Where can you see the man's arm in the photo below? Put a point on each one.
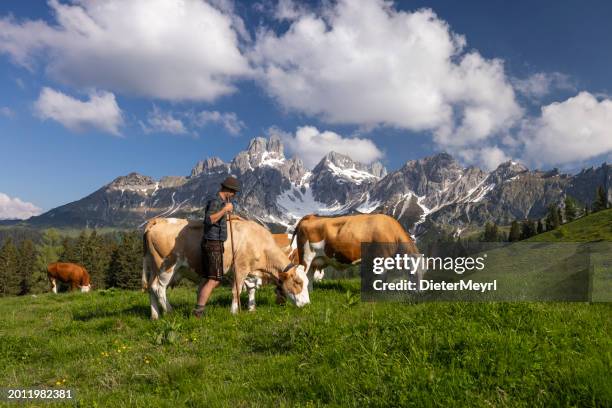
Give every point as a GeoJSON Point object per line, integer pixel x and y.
{"type": "Point", "coordinates": [216, 216]}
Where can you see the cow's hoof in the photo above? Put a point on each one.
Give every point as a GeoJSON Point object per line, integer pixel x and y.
{"type": "Point", "coordinates": [252, 309]}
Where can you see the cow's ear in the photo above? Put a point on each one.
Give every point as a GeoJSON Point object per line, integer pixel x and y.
{"type": "Point", "coordinates": [283, 276]}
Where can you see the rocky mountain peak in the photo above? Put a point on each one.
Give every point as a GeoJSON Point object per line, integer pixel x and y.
{"type": "Point", "coordinates": [378, 169]}
{"type": "Point", "coordinates": [260, 145]}
{"type": "Point", "coordinates": [507, 170]}
{"type": "Point", "coordinates": [341, 161]}
{"type": "Point", "coordinates": [208, 166]}
{"type": "Point", "coordinates": [131, 181]}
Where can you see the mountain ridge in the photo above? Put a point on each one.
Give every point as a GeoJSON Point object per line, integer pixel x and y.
{"type": "Point", "coordinates": [429, 192]}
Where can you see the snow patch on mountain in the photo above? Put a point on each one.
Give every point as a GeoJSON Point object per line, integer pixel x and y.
{"type": "Point", "coordinates": [351, 174]}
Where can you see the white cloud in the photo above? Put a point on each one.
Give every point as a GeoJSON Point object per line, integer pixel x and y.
{"type": "Point", "coordinates": [6, 112]}
{"type": "Point", "coordinates": [13, 208]}
{"type": "Point", "coordinates": [363, 62]}
{"type": "Point", "coordinates": [310, 145]}
{"type": "Point", "coordinates": [288, 10]}
{"type": "Point", "coordinates": [159, 121]}
{"type": "Point", "coordinates": [488, 157]}
{"type": "Point", "coordinates": [229, 120]}
{"type": "Point", "coordinates": [173, 50]}
{"type": "Point", "coordinates": [577, 129]}
{"type": "Point", "coordinates": [99, 112]}
{"type": "Point", "coordinates": [541, 84]}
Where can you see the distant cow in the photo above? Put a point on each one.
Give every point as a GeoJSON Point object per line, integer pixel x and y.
{"type": "Point", "coordinates": [336, 241]}
{"type": "Point", "coordinates": [74, 275]}
{"type": "Point", "coordinates": [172, 250]}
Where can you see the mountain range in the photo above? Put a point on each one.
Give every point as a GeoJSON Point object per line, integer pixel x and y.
{"type": "Point", "coordinates": [432, 193]}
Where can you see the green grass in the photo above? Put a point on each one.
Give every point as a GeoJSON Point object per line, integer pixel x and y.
{"type": "Point", "coordinates": [336, 351]}
{"type": "Point", "coordinates": [593, 227]}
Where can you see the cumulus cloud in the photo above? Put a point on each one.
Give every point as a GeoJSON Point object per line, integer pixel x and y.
{"type": "Point", "coordinates": [365, 63]}
{"type": "Point", "coordinates": [13, 208]}
{"type": "Point", "coordinates": [288, 10]}
{"type": "Point", "coordinates": [229, 120]}
{"type": "Point", "coordinates": [488, 157]}
{"type": "Point", "coordinates": [540, 84]}
{"type": "Point", "coordinates": [311, 145]}
{"type": "Point", "coordinates": [99, 112]}
{"type": "Point", "coordinates": [173, 50]}
{"type": "Point", "coordinates": [6, 112]}
{"type": "Point", "coordinates": [577, 129]}
{"type": "Point", "coordinates": [159, 121]}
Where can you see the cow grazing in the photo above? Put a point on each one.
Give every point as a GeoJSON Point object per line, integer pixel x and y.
{"type": "Point", "coordinates": [74, 275]}
{"type": "Point", "coordinates": [172, 250]}
{"type": "Point", "coordinates": [252, 283]}
{"type": "Point", "coordinates": [336, 241]}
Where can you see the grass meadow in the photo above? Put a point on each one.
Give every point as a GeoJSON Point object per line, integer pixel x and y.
{"type": "Point", "coordinates": [338, 351]}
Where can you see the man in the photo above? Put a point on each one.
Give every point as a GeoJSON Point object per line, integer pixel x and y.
{"type": "Point", "coordinates": [215, 234]}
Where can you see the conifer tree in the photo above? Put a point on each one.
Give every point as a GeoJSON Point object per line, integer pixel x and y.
{"type": "Point", "coordinates": [26, 266]}
{"type": "Point", "coordinates": [9, 276]}
{"type": "Point", "coordinates": [48, 251]}
{"type": "Point", "coordinates": [515, 232]}
{"type": "Point", "coordinates": [552, 219]}
{"type": "Point", "coordinates": [570, 209]}
{"type": "Point", "coordinates": [540, 227]}
{"type": "Point", "coordinates": [601, 200]}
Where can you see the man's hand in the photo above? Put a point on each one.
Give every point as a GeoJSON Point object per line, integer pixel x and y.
{"type": "Point", "coordinates": [229, 207]}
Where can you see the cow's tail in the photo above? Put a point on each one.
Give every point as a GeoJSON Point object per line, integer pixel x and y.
{"type": "Point", "coordinates": [297, 227]}
{"type": "Point", "coordinates": [145, 253]}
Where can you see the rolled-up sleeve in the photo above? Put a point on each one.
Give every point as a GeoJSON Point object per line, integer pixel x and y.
{"type": "Point", "coordinates": [210, 209]}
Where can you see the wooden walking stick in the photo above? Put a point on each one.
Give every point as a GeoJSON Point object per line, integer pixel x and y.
{"type": "Point", "coordinates": [234, 260]}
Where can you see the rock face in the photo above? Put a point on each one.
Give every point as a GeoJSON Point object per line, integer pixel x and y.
{"type": "Point", "coordinates": [428, 193]}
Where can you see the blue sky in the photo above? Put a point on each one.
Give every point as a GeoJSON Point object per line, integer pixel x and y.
{"type": "Point", "coordinates": [89, 93]}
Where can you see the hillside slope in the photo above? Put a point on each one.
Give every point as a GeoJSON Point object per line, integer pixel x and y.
{"type": "Point", "coordinates": [593, 227]}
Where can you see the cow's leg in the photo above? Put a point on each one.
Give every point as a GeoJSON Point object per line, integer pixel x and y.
{"type": "Point", "coordinates": [154, 304]}
{"type": "Point", "coordinates": [251, 283]}
{"type": "Point", "coordinates": [318, 275]}
{"type": "Point", "coordinates": [158, 287]}
{"type": "Point", "coordinates": [53, 284]}
{"type": "Point", "coordinates": [239, 278]}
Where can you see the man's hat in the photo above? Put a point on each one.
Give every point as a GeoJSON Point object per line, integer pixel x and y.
{"type": "Point", "coordinates": [231, 183]}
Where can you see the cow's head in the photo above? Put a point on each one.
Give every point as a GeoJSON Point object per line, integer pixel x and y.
{"type": "Point", "coordinates": [294, 284]}
{"type": "Point", "coordinates": [86, 288]}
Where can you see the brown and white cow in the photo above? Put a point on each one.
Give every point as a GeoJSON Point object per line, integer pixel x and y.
{"type": "Point", "coordinates": [336, 241]}
{"type": "Point", "coordinates": [73, 274]}
{"type": "Point", "coordinates": [252, 283]}
{"type": "Point", "coordinates": [172, 250]}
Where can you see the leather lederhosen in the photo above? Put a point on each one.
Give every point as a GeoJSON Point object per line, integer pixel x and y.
{"type": "Point", "coordinates": [212, 259]}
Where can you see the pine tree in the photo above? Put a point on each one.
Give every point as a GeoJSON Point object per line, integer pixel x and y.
{"type": "Point", "coordinates": [128, 261]}
{"type": "Point", "coordinates": [491, 232]}
{"type": "Point", "coordinates": [571, 209]}
{"type": "Point", "coordinates": [552, 219]}
{"type": "Point", "coordinates": [26, 266]}
{"type": "Point", "coordinates": [528, 229]}
{"type": "Point", "coordinates": [96, 257]}
{"type": "Point", "coordinates": [515, 232]}
{"type": "Point", "coordinates": [9, 264]}
{"type": "Point", "coordinates": [69, 252]}
{"type": "Point", "coordinates": [540, 227]}
{"type": "Point", "coordinates": [601, 200]}
{"type": "Point", "coordinates": [48, 251]}
{"type": "Point", "coordinates": [560, 215]}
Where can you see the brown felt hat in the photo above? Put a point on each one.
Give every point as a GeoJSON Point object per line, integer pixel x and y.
{"type": "Point", "coordinates": [231, 183]}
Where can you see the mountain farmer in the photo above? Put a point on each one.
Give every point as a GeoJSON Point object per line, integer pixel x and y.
{"type": "Point", "coordinates": [215, 234]}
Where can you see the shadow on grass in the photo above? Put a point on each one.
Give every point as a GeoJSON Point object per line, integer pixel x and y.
{"type": "Point", "coordinates": [142, 311]}
{"type": "Point", "coordinates": [182, 308]}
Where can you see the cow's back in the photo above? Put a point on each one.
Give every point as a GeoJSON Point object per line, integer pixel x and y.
{"type": "Point", "coordinates": [68, 272]}
{"type": "Point", "coordinates": [343, 235]}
